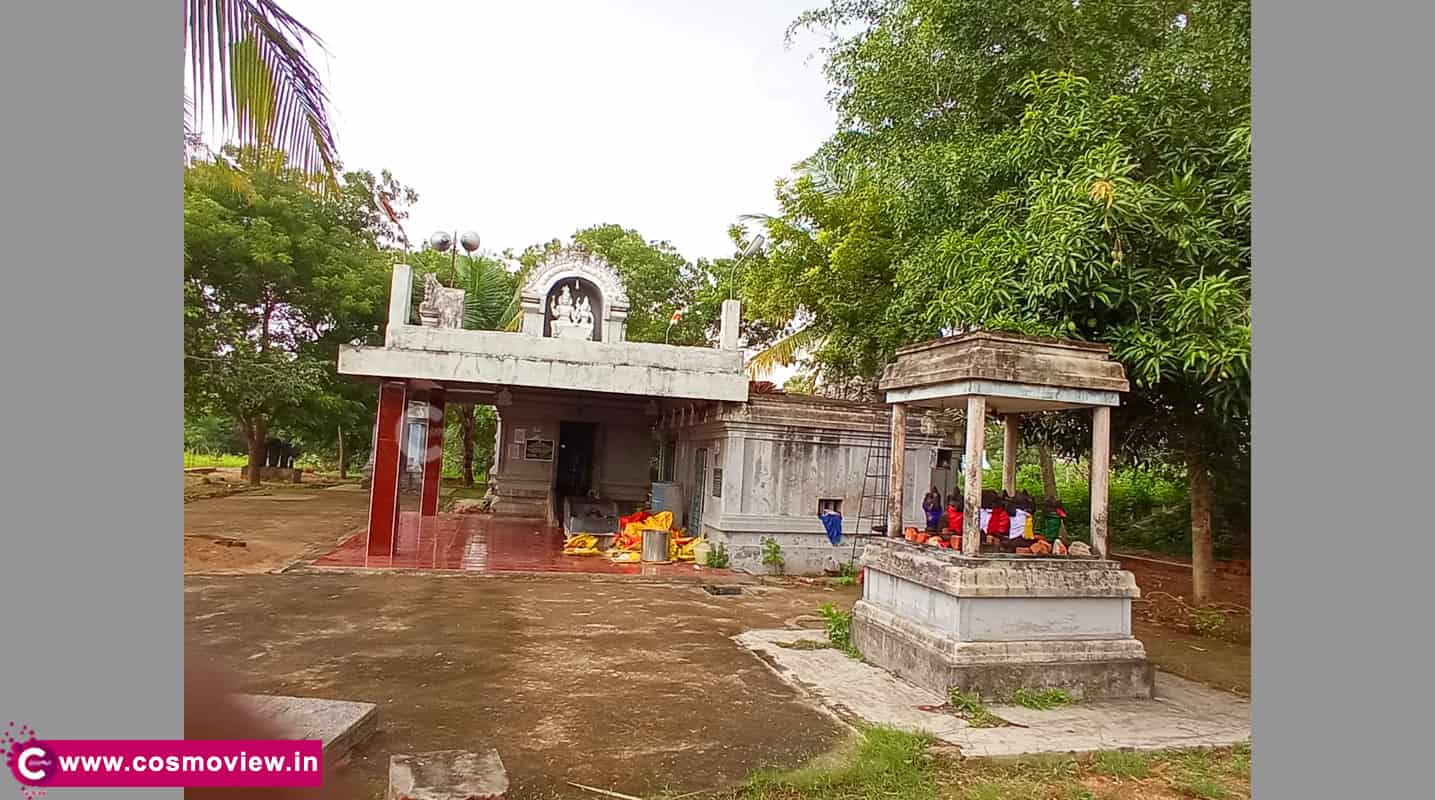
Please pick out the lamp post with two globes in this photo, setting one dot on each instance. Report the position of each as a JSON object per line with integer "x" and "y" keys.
{"x": 442, "y": 241}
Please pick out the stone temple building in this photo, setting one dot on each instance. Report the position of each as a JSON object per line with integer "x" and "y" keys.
{"x": 592, "y": 426}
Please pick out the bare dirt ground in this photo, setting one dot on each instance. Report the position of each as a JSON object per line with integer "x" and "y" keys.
{"x": 278, "y": 524}
{"x": 626, "y": 686}
{"x": 1218, "y": 652}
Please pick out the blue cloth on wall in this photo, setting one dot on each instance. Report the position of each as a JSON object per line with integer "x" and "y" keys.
{"x": 832, "y": 521}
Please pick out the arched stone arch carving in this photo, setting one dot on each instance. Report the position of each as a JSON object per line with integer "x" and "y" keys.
{"x": 544, "y": 299}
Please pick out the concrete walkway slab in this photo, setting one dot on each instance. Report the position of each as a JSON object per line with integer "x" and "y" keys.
{"x": 339, "y": 724}
{"x": 1184, "y": 714}
{"x": 447, "y": 775}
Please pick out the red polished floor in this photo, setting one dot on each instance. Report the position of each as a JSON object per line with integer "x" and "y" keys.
{"x": 483, "y": 543}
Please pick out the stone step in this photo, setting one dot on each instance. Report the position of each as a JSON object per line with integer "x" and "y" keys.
{"x": 340, "y": 724}
{"x": 447, "y": 775}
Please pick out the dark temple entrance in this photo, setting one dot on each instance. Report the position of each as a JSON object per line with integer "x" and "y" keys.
{"x": 575, "y": 461}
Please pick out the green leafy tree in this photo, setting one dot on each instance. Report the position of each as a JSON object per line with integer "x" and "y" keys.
{"x": 801, "y": 383}
{"x": 1053, "y": 168}
{"x": 277, "y": 277}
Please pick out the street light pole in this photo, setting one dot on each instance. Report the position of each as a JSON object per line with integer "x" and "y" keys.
{"x": 442, "y": 241}
{"x": 752, "y": 247}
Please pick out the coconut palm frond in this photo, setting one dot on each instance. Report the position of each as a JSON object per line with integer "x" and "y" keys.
{"x": 247, "y": 63}
{"x": 512, "y": 320}
{"x": 490, "y": 302}
{"x": 783, "y": 352}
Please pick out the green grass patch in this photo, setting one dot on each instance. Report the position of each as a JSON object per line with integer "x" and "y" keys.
{"x": 1050, "y": 766}
{"x": 1208, "y": 622}
{"x": 887, "y": 763}
{"x": 893, "y": 765}
{"x": 1200, "y": 773}
{"x": 1041, "y": 699}
{"x": 1239, "y": 763}
{"x": 220, "y": 460}
{"x": 1204, "y": 788}
{"x": 1121, "y": 764}
{"x": 1012, "y": 789}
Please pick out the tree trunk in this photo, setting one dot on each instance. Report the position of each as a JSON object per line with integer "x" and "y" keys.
{"x": 256, "y": 433}
{"x": 1203, "y": 559}
{"x": 265, "y": 317}
{"x": 1048, "y": 474}
{"x": 343, "y": 457}
{"x": 465, "y": 416}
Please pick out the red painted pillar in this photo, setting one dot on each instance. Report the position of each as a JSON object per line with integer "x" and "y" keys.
{"x": 433, "y": 456}
{"x": 384, "y": 489}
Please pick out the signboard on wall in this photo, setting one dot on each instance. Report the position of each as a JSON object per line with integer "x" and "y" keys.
{"x": 538, "y": 450}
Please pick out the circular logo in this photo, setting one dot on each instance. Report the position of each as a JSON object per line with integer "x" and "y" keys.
{"x": 34, "y": 763}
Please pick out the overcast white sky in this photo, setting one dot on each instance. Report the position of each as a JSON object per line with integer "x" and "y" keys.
{"x": 529, "y": 120}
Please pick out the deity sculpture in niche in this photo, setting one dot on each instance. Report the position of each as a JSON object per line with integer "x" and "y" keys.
{"x": 571, "y": 315}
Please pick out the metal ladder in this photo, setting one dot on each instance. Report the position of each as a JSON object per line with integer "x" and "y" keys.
{"x": 872, "y": 508}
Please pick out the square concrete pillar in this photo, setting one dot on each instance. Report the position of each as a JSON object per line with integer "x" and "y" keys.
{"x": 976, "y": 447}
{"x": 897, "y": 464}
{"x": 401, "y": 290}
{"x": 384, "y": 489}
{"x": 1010, "y": 440}
{"x": 731, "y": 324}
{"x": 433, "y": 455}
{"x": 1100, "y": 476}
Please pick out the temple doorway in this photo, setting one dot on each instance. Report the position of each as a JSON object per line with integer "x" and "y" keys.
{"x": 574, "y": 474}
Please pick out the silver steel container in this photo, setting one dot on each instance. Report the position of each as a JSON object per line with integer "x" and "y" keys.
{"x": 655, "y": 546}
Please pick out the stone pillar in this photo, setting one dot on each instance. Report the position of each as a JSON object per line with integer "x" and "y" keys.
{"x": 1009, "y": 445}
{"x": 401, "y": 288}
{"x": 897, "y": 463}
{"x": 731, "y": 323}
{"x": 384, "y": 492}
{"x": 972, "y": 459}
{"x": 368, "y": 470}
{"x": 433, "y": 456}
{"x": 1100, "y": 470}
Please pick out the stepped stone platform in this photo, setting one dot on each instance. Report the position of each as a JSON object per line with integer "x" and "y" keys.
{"x": 994, "y": 624}
{"x": 340, "y": 724}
